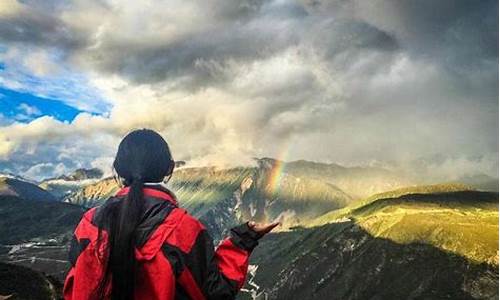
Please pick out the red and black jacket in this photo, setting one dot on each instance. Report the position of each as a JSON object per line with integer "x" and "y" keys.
{"x": 176, "y": 254}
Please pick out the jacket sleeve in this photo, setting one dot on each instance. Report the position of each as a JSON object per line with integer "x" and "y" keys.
{"x": 228, "y": 265}
{"x": 206, "y": 273}
{"x": 68, "y": 285}
{"x": 76, "y": 248}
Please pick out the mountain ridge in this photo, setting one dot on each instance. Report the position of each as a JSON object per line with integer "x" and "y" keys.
{"x": 387, "y": 251}
{"x": 24, "y": 189}
{"x": 418, "y": 241}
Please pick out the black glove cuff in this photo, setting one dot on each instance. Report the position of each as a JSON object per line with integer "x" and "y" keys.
{"x": 244, "y": 237}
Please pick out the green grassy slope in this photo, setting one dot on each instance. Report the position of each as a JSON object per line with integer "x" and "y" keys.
{"x": 419, "y": 189}
{"x": 465, "y": 223}
{"x": 343, "y": 261}
{"x": 449, "y": 216}
{"x": 439, "y": 245}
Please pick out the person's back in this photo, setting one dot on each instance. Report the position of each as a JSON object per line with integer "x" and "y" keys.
{"x": 141, "y": 245}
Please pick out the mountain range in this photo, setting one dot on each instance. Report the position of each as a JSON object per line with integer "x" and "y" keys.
{"x": 347, "y": 232}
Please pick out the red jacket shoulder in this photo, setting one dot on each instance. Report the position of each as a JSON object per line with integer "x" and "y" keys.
{"x": 187, "y": 230}
{"x": 86, "y": 229}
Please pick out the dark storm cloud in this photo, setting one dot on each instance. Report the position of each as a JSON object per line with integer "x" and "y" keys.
{"x": 241, "y": 32}
{"x": 460, "y": 35}
{"x": 370, "y": 80}
{"x": 467, "y": 28}
{"x": 38, "y": 28}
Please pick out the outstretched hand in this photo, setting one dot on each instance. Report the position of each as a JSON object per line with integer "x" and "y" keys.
{"x": 261, "y": 228}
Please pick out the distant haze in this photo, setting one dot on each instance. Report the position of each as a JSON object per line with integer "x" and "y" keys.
{"x": 406, "y": 85}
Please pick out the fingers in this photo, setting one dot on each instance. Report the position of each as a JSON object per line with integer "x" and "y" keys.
{"x": 274, "y": 225}
{"x": 270, "y": 227}
{"x": 262, "y": 228}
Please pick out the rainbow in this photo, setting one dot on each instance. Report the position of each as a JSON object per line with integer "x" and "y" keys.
{"x": 276, "y": 172}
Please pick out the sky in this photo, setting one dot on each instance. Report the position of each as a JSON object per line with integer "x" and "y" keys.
{"x": 398, "y": 84}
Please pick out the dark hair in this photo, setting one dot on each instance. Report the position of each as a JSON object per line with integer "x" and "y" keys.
{"x": 143, "y": 156}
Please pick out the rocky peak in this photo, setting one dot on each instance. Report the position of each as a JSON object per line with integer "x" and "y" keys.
{"x": 82, "y": 174}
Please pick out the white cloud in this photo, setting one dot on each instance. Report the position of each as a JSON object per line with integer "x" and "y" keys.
{"x": 10, "y": 7}
{"x": 345, "y": 82}
{"x": 29, "y": 110}
{"x": 41, "y": 170}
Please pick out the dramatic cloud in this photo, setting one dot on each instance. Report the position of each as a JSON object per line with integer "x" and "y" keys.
{"x": 354, "y": 82}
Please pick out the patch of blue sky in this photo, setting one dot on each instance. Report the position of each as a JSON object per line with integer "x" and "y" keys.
{"x": 66, "y": 84}
{"x": 25, "y": 107}
{"x": 72, "y": 91}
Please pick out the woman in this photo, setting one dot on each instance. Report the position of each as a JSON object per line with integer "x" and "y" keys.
{"x": 141, "y": 245}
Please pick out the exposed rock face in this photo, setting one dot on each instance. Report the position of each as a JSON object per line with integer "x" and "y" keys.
{"x": 82, "y": 174}
{"x": 93, "y": 194}
{"x": 245, "y": 185}
{"x": 227, "y": 213}
{"x": 62, "y": 186}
